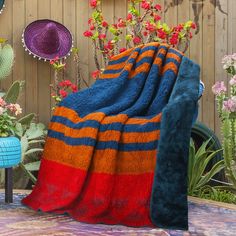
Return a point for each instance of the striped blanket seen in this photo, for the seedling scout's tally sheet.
(116, 153)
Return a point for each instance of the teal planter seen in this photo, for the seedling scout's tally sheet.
(10, 152)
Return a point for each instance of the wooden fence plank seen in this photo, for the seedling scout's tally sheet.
(44, 73)
(208, 63)
(57, 15)
(82, 42)
(221, 48)
(18, 26)
(31, 86)
(196, 44)
(69, 19)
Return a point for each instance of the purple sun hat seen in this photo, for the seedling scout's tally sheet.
(47, 39)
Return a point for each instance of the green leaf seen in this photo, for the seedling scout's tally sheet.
(33, 150)
(33, 166)
(24, 146)
(28, 173)
(26, 120)
(214, 170)
(13, 93)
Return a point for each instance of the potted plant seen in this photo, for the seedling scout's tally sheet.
(10, 147)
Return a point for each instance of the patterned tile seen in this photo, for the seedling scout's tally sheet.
(18, 220)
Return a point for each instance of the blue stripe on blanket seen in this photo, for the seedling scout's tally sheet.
(103, 144)
(104, 127)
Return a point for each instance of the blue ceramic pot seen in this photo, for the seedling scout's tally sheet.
(10, 152)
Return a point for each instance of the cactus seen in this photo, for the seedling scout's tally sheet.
(6, 60)
(13, 92)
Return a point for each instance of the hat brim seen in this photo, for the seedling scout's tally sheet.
(35, 28)
(2, 5)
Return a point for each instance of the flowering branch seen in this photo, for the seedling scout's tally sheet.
(142, 28)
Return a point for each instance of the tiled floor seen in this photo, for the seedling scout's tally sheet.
(204, 219)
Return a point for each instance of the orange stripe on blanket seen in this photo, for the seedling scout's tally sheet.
(127, 67)
(100, 161)
(109, 135)
(145, 67)
(100, 116)
(174, 56)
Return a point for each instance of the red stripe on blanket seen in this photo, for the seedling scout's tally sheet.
(59, 186)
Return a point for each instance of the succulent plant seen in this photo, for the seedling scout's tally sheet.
(6, 59)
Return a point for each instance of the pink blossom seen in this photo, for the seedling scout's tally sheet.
(121, 23)
(93, 3)
(161, 34)
(74, 88)
(95, 74)
(18, 109)
(233, 81)
(122, 50)
(219, 88)
(105, 24)
(88, 33)
(63, 93)
(150, 27)
(92, 27)
(67, 83)
(230, 104)
(102, 36)
(145, 5)
(137, 40)
(157, 7)
(15, 108)
(129, 17)
(157, 17)
(2, 102)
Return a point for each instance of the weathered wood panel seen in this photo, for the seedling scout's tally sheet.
(216, 36)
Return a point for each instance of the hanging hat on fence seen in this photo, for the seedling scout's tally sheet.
(47, 39)
(1, 5)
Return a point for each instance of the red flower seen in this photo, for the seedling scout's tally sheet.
(179, 28)
(174, 39)
(137, 40)
(74, 88)
(61, 84)
(102, 36)
(193, 26)
(150, 27)
(105, 24)
(93, 3)
(92, 27)
(88, 34)
(90, 21)
(145, 5)
(157, 7)
(190, 35)
(63, 93)
(67, 83)
(52, 62)
(161, 34)
(115, 26)
(145, 33)
(95, 74)
(109, 46)
(129, 17)
(121, 23)
(157, 17)
(122, 50)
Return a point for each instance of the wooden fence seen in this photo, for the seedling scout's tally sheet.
(216, 37)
